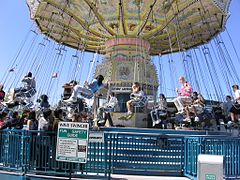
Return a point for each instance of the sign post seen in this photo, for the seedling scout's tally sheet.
(72, 142)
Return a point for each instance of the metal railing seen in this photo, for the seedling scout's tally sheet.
(146, 154)
(34, 152)
(124, 151)
(229, 147)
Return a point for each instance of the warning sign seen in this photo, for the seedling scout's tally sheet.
(72, 142)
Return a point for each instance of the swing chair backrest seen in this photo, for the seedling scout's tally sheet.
(67, 92)
(113, 108)
(30, 93)
(141, 103)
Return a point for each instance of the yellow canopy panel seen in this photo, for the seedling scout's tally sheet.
(168, 25)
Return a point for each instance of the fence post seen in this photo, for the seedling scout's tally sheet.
(184, 149)
(110, 158)
(107, 154)
(202, 143)
(25, 151)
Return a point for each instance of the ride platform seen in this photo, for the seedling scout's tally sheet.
(138, 120)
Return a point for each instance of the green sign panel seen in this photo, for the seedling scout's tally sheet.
(210, 177)
(72, 142)
(73, 133)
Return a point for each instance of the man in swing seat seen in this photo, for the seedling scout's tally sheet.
(87, 91)
(28, 89)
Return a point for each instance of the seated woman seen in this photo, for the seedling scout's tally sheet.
(198, 102)
(88, 91)
(136, 97)
(184, 96)
(235, 109)
(28, 89)
(159, 111)
(102, 113)
(113, 101)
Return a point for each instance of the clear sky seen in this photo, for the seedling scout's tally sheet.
(15, 23)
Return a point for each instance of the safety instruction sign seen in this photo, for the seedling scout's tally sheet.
(72, 142)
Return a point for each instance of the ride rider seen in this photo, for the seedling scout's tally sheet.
(88, 91)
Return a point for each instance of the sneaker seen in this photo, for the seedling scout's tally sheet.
(154, 123)
(95, 119)
(129, 113)
(180, 112)
(3, 104)
(229, 124)
(158, 121)
(10, 102)
(196, 119)
(101, 121)
(221, 122)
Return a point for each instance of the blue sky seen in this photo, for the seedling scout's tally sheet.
(15, 23)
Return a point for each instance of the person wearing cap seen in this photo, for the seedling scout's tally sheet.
(88, 90)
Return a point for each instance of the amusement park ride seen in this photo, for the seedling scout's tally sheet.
(129, 33)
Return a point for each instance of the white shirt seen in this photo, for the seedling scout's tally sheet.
(139, 94)
(237, 95)
(162, 105)
(42, 124)
(113, 101)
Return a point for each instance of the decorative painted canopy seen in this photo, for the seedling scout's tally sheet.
(168, 25)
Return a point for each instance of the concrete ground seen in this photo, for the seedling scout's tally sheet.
(132, 177)
(16, 176)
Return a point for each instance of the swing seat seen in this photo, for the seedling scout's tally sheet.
(140, 103)
(87, 96)
(109, 109)
(162, 113)
(73, 107)
(158, 115)
(200, 110)
(67, 92)
(26, 93)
